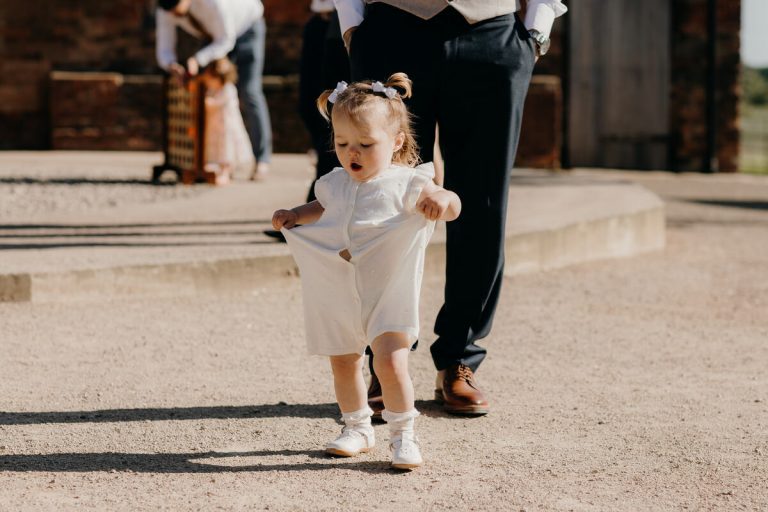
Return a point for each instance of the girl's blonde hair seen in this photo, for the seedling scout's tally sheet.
(223, 69)
(359, 98)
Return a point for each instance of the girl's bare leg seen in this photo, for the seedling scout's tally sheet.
(390, 362)
(358, 435)
(348, 382)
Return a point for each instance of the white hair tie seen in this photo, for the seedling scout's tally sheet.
(340, 88)
(389, 92)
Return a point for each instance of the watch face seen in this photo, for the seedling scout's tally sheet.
(544, 47)
(542, 42)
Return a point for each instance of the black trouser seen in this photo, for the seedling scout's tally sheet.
(472, 81)
(324, 62)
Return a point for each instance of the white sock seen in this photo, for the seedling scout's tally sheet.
(400, 421)
(359, 417)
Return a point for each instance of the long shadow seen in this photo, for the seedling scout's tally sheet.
(279, 410)
(83, 181)
(8, 247)
(732, 203)
(136, 225)
(134, 234)
(180, 462)
(428, 408)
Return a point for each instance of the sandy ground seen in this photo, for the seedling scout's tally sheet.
(78, 182)
(635, 384)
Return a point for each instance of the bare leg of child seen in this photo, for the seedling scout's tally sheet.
(225, 175)
(357, 436)
(348, 382)
(390, 363)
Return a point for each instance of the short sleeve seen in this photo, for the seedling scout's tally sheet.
(324, 187)
(422, 175)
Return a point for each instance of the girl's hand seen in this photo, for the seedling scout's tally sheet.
(284, 219)
(434, 206)
(436, 203)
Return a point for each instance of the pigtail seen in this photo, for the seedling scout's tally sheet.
(402, 83)
(322, 104)
(409, 153)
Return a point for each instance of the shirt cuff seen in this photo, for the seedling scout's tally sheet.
(541, 15)
(351, 13)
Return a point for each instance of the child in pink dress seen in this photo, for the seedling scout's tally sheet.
(226, 141)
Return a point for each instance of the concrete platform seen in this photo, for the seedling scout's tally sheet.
(170, 240)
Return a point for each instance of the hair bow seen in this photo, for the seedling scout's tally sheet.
(389, 92)
(340, 88)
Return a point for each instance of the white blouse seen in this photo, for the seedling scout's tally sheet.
(347, 304)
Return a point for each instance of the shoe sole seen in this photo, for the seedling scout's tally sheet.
(464, 410)
(407, 467)
(341, 453)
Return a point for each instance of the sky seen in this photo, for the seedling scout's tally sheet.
(754, 33)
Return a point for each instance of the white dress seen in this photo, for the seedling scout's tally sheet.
(347, 304)
(226, 139)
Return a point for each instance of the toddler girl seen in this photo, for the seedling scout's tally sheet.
(360, 249)
(227, 146)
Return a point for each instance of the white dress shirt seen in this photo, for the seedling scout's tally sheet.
(322, 6)
(223, 20)
(540, 15)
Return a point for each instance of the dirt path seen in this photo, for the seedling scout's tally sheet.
(636, 384)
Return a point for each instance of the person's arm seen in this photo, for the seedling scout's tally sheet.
(541, 14)
(436, 203)
(219, 27)
(165, 39)
(351, 14)
(304, 214)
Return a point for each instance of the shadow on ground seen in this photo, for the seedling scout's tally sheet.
(195, 462)
(728, 203)
(279, 410)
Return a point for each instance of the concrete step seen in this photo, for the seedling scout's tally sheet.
(214, 241)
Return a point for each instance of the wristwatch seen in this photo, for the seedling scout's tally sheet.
(542, 42)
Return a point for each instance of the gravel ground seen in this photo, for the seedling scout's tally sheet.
(626, 385)
(79, 181)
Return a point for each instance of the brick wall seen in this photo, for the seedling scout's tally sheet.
(105, 111)
(688, 116)
(39, 36)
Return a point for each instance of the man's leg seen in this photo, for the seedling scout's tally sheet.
(324, 62)
(416, 50)
(248, 55)
(485, 77)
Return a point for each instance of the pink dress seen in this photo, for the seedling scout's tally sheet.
(226, 140)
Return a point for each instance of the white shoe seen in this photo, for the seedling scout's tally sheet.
(405, 451)
(353, 440)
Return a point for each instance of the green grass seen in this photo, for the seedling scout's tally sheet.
(754, 139)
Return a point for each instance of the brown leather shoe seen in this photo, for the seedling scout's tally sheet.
(375, 399)
(460, 393)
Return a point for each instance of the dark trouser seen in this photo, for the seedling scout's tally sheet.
(472, 81)
(324, 62)
(248, 56)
